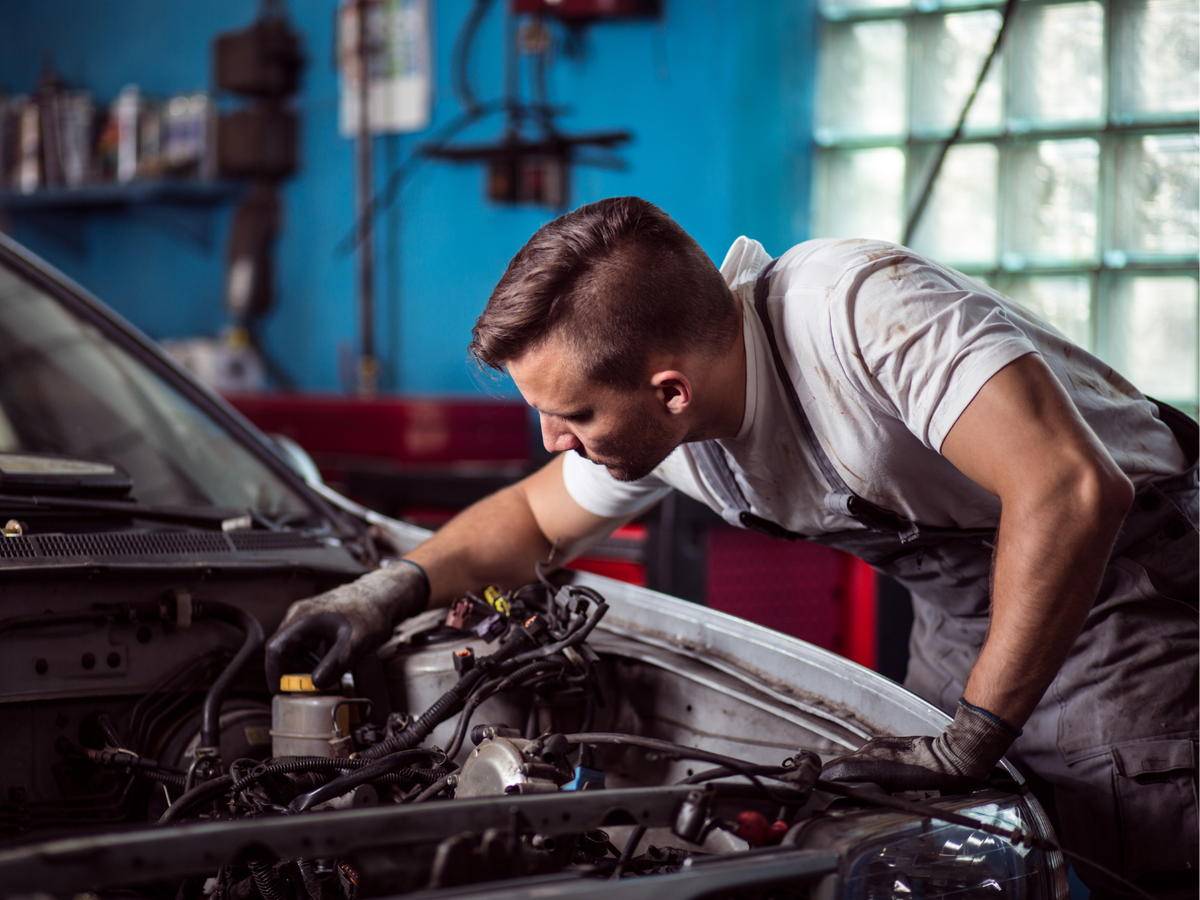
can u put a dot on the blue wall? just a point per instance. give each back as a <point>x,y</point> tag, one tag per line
<point>717,93</point>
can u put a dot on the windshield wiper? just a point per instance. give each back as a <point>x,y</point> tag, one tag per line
<point>215,518</point>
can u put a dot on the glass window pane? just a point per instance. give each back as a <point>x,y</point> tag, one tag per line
<point>1158,195</point>
<point>839,9</point>
<point>1158,58</point>
<point>1152,335</point>
<point>950,51</point>
<point>862,81</point>
<point>1052,203</point>
<point>1058,72</point>
<point>1063,301</point>
<point>959,222</point>
<point>859,192</point>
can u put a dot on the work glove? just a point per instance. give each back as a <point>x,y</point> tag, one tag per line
<point>957,760</point>
<point>353,620</point>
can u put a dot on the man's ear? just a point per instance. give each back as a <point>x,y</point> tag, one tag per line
<point>674,390</point>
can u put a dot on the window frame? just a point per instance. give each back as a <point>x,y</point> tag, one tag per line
<point>1108,262</point>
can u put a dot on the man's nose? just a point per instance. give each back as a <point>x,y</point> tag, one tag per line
<point>557,437</point>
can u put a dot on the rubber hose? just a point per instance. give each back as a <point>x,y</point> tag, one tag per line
<point>351,780</point>
<point>210,725</point>
<point>267,880</point>
<point>195,798</point>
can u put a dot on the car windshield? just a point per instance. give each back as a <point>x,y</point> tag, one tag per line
<point>67,389</point>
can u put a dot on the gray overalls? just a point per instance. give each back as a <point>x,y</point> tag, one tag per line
<point>1111,749</point>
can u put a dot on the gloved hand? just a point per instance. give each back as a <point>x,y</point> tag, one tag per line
<point>958,759</point>
<point>355,619</point>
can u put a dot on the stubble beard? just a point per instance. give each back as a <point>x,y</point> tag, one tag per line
<point>643,444</point>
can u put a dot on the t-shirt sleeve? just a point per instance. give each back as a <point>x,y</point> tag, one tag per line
<point>599,493</point>
<point>926,341</point>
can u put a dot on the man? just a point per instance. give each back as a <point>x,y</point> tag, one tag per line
<point>857,394</point>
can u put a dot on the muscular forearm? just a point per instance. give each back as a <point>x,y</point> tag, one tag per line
<point>1051,552</point>
<point>495,541</point>
<point>1062,502</point>
<point>502,537</point>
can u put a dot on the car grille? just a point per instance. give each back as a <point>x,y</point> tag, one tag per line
<point>167,543</point>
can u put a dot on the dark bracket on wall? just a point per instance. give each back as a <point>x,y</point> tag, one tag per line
<point>535,171</point>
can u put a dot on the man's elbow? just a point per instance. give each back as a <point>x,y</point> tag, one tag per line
<point>1102,493</point>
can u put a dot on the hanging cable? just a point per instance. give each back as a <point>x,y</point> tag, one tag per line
<point>460,75</point>
<point>914,217</point>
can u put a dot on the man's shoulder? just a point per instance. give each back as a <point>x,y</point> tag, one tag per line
<point>829,260</point>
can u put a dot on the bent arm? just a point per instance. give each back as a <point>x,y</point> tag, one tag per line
<point>499,539</point>
<point>1063,499</point>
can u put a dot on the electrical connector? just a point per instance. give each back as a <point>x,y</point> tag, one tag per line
<point>464,660</point>
<point>492,627</point>
<point>535,627</point>
<point>459,613</point>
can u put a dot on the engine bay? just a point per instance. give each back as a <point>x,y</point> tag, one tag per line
<point>508,740</point>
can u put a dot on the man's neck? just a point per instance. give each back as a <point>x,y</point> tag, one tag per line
<point>721,390</point>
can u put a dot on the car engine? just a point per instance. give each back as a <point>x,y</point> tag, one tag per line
<point>506,738</point>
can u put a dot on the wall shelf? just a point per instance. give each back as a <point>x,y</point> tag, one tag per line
<point>183,207</point>
<point>134,193</point>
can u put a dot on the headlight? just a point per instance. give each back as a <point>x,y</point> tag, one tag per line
<point>894,855</point>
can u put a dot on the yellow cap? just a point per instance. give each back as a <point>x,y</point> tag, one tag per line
<point>296,683</point>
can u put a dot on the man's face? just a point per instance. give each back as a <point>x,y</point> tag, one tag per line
<point>627,432</point>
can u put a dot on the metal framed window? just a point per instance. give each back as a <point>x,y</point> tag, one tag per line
<point>1075,188</point>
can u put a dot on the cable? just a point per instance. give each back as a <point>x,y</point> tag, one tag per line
<point>725,772</point>
<point>460,76</point>
<point>210,790</point>
<point>387,194</point>
<point>343,784</point>
<point>104,720</point>
<point>918,209</point>
<point>678,751</point>
<point>635,838</point>
<point>488,690</point>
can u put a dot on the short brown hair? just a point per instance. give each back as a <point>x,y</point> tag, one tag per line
<point>618,280</point>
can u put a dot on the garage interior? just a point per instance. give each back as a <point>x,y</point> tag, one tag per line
<point>201,168</point>
<point>207,170</point>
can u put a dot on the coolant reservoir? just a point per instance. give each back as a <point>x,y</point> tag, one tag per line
<point>308,722</point>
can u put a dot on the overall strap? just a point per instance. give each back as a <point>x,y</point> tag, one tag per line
<point>840,498</point>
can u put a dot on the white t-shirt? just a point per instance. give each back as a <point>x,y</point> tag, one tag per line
<point>885,349</point>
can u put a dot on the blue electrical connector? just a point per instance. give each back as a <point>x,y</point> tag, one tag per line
<point>585,780</point>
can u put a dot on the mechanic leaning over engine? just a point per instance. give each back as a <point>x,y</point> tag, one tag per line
<point>1040,509</point>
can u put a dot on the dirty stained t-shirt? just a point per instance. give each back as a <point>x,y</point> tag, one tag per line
<point>885,349</point>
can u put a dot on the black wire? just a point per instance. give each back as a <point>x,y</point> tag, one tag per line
<point>676,751</point>
<point>391,188</point>
<point>725,772</point>
<point>914,217</point>
<point>460,76</point>
<point>630,845</point>
<point>226,784</point>
<point>489,689</point>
